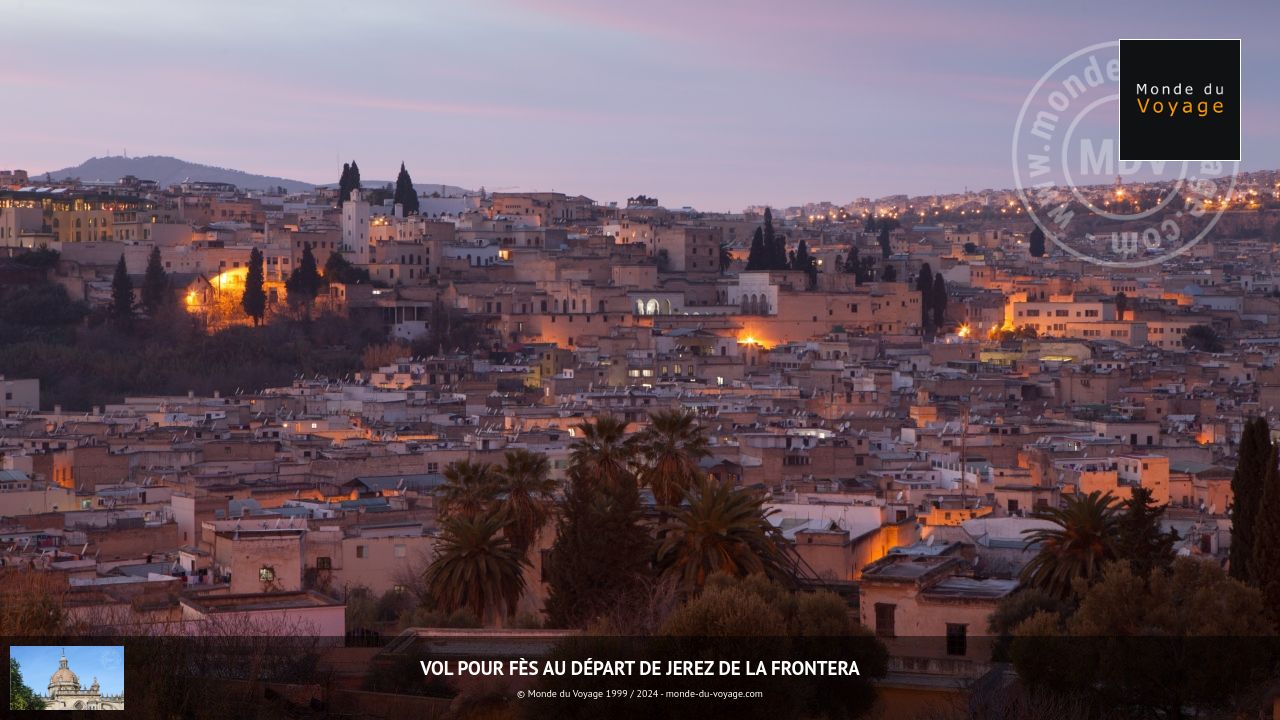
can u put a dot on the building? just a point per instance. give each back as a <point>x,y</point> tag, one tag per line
<point>66,693</point>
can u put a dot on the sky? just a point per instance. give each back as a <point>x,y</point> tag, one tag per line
<point>707,103</point>
<point>38,663</point>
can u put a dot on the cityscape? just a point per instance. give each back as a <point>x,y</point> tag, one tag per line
<point>365,446</point>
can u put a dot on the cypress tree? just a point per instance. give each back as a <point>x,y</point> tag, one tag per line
<point>756,259</point>
<point>355,176</point>
<point>1265,564</point>
<point>924,285</point>
<point>939,300</point>
<point>304,282</point>
<point>405,195</point>
<point>885,249</point>
<point>344,183</point>
<point>254,300</point>
<point>889,274</point>
<point>155,284</point>
<point>775,247</point>
<point>121,307</point>
<point>1036,242</point>
<point>1246,487</point>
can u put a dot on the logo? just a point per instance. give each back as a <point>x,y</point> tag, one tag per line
<point>1085,199</point>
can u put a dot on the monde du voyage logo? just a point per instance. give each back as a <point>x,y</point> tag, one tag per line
<point>1124,151</point>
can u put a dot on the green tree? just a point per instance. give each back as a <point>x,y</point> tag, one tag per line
<point>924,285</point>
<point>476,567</point>
<point>601,454</point>
<point>155,284</point>
<point>886,249</point>
<point>1266,541</point>
<point>756,258</point>
<point>1246,489</point>
<point>469,488</point>
<point>1190,637</point>
<point>1083,541</point>
<point>726,258</point>
<point>1122,303</point>
<point>304,283</point>
<point>890,273</point>
<point>121,307</point>
<point>21,697</point>
<point>938,300</point>
<point>1035,242</point>
<point>526,495</point>
<point>1140,539</point>
<point>602,555</point>
<point>671,448</point>
<point>970,249</point>
<point>254,299</point>
<point>406,196</point>
<point>720,529</point>
<point>1202,337</point>
<point>337,269</point>
<point>349,181</point>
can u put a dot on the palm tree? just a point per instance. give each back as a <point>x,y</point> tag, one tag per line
<point>671,447</point>
<point>1083,541</point>
<point>720,529</point>
<point>602,454</point>
<point>469,488</point>
<point>525,495</point>
<point>476,566</point>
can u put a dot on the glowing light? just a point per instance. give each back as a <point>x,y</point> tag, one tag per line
<point>964,331</point>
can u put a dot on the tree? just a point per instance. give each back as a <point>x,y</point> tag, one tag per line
<point>121,307</point>
<point>756,258</point>
<point>304,282</point>
<point>406,196</point>
<point>602,555</point>
<point>1035,242</point>
<point>21,697</point>
<point>970,249</point>
<point>602,455</point>
<point>349,181</point>
<point>476,567</point>
<point>1083,541</point>
<point>1122,302</point>
<point>337,269</point>
<point>155,284</point>
<point>1266,541</point>
<point>526,496</point>
<point>775,246</point>
<point>1190,637</point>
<point>924,285</point>
<point>885,248</point>
<point>726,258</point>
<point>254,300</point>
<point>721,529</point>
<point>889,274</point>
<point>938,299</point>
<point>1202,337</point>
<point>1140,539</point>
<point>469,488</point>
<point>1246,489</point>
<point>671,447</point>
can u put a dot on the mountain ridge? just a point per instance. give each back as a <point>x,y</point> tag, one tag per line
<point>166,170</point>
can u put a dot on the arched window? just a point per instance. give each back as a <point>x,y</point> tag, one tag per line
<point>651,307</point>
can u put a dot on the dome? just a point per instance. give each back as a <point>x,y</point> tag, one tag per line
<point>63,678</point>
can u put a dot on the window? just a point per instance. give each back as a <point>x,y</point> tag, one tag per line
<point>957,639</point>
<point>324,563</point>
<point>267,574</point>
<point>360,551</point>
<point>399,551</point>
<point>884,619</point>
